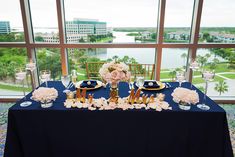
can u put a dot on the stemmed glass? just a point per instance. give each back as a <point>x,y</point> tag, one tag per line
<point>180,77</point>
<point>45,75</point>
<point>195,67</point>
<point>20,75</point>
<point>74,76</point>
<point>140,81</point>
<point>207,76</point>
<point>31,67</point>
<point>65,81</point>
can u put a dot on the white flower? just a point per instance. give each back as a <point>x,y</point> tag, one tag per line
<point>185,95</point>
<point>44,94</point>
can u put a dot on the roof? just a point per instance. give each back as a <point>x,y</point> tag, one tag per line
<point>85,22</point>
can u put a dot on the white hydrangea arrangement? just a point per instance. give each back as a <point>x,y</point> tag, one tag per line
<point>185,95</point>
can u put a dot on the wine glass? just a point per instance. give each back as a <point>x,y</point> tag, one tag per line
<point>207,76</point>
<point>45,75</point>
<point>195,67</point>
<point>65,81</point>
<point>180,77</point>
<point>74,76</point>
<point>20,75</point>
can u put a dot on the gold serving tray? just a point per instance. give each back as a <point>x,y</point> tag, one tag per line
<point>162,86</point>
<point>99,84</point>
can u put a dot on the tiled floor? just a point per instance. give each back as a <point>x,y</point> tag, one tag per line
<point>230,109</point>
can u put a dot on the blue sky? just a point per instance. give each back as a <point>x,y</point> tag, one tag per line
<point>123,13</point>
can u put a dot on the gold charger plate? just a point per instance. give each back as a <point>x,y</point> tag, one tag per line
<point>162,86</point>
<point>99,84</point>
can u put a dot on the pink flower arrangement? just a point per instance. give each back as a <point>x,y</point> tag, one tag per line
<point>114,72</point>
<point>185,95</point>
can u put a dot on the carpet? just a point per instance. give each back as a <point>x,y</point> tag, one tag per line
<point>230,109</point>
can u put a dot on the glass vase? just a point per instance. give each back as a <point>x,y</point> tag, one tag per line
<point>184,105</point>
<point>113,91</point>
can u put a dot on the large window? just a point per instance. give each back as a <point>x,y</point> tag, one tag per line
<point>44,20</point>
<point>173,60</point>
<point>217,24</point>
<point>116,21</point>
<point>154,33</point>
<point>11,61</point>
<point>222,61</point>
<point>178,21</point>
<point>86,61</point>
<point>11,27</point>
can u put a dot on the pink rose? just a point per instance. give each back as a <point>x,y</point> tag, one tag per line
<point>115,75</point>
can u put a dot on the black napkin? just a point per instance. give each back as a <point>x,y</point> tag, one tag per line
<point>88,84</point>
<point>151,84</point>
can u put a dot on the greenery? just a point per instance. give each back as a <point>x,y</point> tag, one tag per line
<point>221,87</point>
<point>14,88</point>
<point>133,34</point>
<point>230,76</point>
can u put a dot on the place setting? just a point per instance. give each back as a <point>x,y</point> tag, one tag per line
<point>142,93</point>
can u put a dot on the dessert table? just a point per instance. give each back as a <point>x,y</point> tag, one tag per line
<point>61,132</point>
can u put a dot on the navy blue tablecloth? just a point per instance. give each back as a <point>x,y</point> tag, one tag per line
<point>60,132</point>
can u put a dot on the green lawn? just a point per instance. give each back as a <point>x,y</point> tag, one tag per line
<point>230,76</point>
<point>200,80</point>
<point>105,40</point>
<point>165,75</point>
<point>14,88</point>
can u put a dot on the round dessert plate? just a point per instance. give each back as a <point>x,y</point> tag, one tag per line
<point>162,86</point>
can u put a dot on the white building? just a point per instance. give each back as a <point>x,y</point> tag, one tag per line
<point>86,26</point>
<point>178,36</point>
<point>5,27</point>
<point>222,37</point>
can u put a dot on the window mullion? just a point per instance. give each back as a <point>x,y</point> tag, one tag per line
<point>61,26</point>
<point>160,33</point>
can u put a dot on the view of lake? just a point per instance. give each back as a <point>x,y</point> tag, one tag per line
<point>171,58</point>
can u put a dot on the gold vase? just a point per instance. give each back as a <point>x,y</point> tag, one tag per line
<point>113,92</point>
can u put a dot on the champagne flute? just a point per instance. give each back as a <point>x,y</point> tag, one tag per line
<point>207,76</point>
<point>65,81</point>
<point>180,77</point>
<point>20,75</point>
<point>195,67</point>
<point>45,75</point>
<point>74,76</point>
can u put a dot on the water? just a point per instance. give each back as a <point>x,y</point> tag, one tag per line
<point>171,58</point>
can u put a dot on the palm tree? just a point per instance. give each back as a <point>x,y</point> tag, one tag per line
<point>221,87</point>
